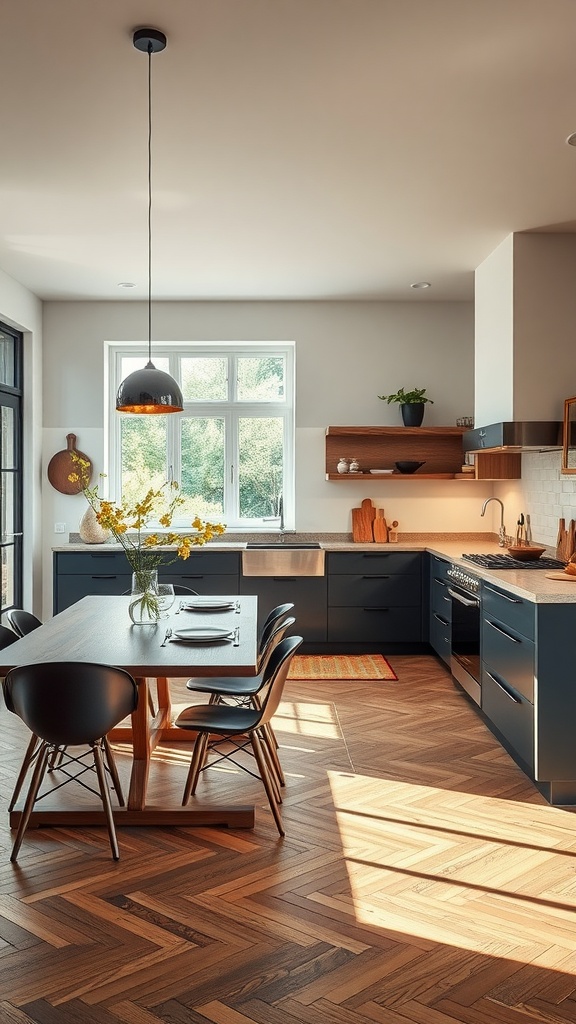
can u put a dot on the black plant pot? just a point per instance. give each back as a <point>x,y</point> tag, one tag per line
<point>412,413</point>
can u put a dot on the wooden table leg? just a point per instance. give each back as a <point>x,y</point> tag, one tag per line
<point>140,749</point>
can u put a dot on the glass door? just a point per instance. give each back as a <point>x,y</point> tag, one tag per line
<point>10,467</point>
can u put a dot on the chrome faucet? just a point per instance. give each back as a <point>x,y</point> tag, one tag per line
<point>502,530</point>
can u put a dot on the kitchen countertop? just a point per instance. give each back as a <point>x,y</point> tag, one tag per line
<point>531,584</point>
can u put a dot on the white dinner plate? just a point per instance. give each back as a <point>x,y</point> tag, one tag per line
<point>377,471</point>
<point>200,634</point>
<point>213,604</point>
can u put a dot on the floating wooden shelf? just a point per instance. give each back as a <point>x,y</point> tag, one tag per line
<point>393,476</point>
<point>440,448</point>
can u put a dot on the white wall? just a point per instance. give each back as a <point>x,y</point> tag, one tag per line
<point>347,353</point>
<point>22,310</point>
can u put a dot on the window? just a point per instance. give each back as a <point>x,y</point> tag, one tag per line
<point>231,449</point>
<point>11,536</point>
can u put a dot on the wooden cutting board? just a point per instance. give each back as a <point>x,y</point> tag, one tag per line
<point>566,540</point>
<point>362,519</point>
<point>379,527</point>
<point>62,465</point>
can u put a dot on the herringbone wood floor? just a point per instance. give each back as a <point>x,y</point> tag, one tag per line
<point>422,880</point>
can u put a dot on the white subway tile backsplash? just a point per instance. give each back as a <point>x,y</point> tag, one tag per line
<point>547,496</point>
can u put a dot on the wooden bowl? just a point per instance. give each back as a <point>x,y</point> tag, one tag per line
<point>522,553</point>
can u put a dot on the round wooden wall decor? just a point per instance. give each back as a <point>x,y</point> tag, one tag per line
<point>62,465</point>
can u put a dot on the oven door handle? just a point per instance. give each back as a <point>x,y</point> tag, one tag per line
<point>469,602</point>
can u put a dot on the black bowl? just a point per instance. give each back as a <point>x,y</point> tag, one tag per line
<point>408,467</point>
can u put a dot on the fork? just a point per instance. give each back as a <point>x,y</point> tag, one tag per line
<point>180,607</point>
<point>167,636</point>
<point>236,637</point>
<point>237,607</point>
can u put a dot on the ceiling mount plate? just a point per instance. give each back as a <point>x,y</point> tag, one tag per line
<point>149,40</point>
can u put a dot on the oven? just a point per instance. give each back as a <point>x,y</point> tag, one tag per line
<point>464,591</point>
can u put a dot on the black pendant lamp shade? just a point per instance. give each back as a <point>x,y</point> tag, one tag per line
<point>149,391</point>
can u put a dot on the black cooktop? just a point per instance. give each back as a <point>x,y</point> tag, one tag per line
<point>507,562</point>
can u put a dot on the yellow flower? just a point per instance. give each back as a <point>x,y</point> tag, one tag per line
<point>127,523</point>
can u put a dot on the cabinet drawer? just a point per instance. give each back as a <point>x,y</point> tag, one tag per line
<point>510,609</point>
<point>72,588</point>
<point>384,589</point>
<point>212,562</point>
<point>372,563</point>
<point>88,562</point>
<point>440,636</point>
<point>212,585</point>
<point>509,654</point>
<point>308,594</point>
<point>511,714</point>
<point>440,601</point>
<point>374,625</point>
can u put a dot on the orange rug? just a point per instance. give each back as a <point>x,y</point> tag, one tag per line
<point>340,666</point>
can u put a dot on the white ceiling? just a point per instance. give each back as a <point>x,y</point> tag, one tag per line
<point>302,149</point>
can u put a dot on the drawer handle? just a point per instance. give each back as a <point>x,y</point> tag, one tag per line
<point>190,577</point>
<point>375,577</point>
<point>503,631</point>
<point>104,577</point>
<point>440,619</point>
<point>441,583</point>
<point>504,689</point>
<point>110,554</point>
<point>513,600</point>
<point>376,608</point>
<point>379,554</point>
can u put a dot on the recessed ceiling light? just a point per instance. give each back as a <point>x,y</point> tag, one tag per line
<point>126,284</point>
<point>421,284</point>
<point>571,140</point>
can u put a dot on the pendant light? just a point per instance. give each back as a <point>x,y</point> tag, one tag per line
<point>149,391</point>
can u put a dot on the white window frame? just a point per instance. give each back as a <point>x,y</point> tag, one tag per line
<point>228,410</point>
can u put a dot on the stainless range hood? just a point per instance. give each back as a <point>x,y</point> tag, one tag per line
<point>527,436</point>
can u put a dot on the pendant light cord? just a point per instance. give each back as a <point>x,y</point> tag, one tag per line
<point>150,202</point>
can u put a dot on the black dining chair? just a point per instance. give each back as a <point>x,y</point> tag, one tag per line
<point>7,637</point>
<point>241,727</point>
<point>22,622</point>
<point>68,704</point>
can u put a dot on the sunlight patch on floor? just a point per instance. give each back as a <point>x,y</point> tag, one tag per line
<point>476,872</point>
<point>307,719</point>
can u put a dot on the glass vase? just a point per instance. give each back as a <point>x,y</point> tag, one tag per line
<point>144,607</point>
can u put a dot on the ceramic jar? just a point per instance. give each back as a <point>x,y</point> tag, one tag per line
<point>90,530</point>
<point>342,466</point>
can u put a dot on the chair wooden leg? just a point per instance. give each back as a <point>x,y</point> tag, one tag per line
<point>198,756</point>
<point>270,766</point>
<point>32,748</point>
<point>270,739</point>
<point>273,760</point>
<point>111,762</point>
<point>257,748</point>
<point>35,783</point>
<point>106,802</point>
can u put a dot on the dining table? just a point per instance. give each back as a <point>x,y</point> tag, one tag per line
<point>98,629</point>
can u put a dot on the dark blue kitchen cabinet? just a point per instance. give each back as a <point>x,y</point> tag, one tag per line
<point>375,598</point>
<point>307,593</point>
<point>440,605</point>
<point>78,574</point>
<point>528,691</point>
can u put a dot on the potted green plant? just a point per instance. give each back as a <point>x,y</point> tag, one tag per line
<point>411,405</point>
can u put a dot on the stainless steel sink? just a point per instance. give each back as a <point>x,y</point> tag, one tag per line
<point>280,543</point>
<point>278,559</point>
